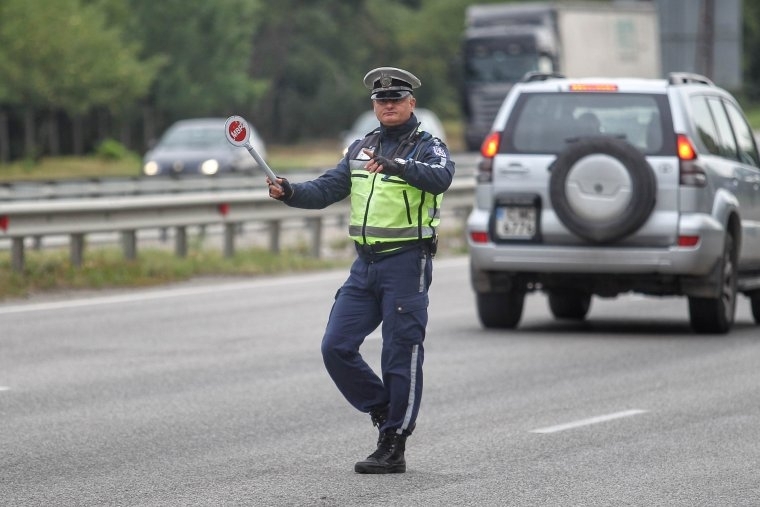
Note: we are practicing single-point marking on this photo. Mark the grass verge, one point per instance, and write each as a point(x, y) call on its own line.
point(316, 155)
point(49, 270)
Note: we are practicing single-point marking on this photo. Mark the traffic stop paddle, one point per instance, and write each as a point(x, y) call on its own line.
point(236, 129)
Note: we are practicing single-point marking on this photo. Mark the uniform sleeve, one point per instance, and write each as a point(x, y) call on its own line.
point(433, 170)
point(332, 186)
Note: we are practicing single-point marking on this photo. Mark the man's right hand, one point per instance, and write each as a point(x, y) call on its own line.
point(283, 192)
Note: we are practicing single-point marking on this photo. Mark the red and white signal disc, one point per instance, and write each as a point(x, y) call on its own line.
point(236, 129)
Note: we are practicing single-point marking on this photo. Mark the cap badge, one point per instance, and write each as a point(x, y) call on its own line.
point(385, 82)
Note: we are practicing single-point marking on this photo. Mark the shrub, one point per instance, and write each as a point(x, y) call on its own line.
point(110, 149)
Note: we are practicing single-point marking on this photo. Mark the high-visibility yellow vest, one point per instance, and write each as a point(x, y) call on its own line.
point(386, 208)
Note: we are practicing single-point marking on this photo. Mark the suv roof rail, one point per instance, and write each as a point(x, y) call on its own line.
point(540, 76)
point(688, 78)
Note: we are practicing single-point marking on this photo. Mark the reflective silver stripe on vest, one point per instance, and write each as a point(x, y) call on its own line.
point(400, 233)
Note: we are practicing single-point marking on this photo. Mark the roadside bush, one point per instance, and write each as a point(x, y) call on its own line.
point(111, 149)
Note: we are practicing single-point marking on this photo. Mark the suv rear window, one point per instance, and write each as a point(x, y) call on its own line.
point(547, 122)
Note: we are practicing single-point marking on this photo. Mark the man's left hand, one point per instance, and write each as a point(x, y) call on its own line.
point(378, 163)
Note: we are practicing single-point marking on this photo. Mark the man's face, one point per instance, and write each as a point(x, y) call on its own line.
point(394, 112)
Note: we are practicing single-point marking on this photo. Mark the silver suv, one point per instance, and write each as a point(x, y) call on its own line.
point(597, 187)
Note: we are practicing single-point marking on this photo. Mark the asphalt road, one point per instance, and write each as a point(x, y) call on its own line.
point(213, 393)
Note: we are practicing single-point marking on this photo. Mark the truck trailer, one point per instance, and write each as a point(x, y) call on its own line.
point(503, 42)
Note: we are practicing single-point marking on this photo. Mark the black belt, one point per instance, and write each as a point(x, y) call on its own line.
point(388, 246)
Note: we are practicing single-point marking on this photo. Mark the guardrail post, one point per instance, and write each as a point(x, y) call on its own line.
point(180, 244)
point(76, 249)
point(129, 244)
point(17, 254)
point(274, 236)
point(315, 226)
point(229, 239)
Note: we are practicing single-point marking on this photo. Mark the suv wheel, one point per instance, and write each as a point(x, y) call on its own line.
point(500, 309)
point(569, 304)
point(716, 315)
point(602, 189)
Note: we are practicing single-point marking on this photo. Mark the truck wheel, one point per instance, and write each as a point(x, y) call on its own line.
point(754, 298)
point(602, 189)
point(569, 304)
point(716, 315)
point(500, 310)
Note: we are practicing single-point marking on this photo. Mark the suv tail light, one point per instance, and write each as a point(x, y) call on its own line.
point(488, 151)
point(690, 173)
point(688, 241)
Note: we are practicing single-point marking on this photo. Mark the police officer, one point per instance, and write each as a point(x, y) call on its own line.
point(395, 176)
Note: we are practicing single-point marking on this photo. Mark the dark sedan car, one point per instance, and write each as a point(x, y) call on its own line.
point(199, 146)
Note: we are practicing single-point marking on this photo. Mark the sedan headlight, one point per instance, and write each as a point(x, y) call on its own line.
point(210, 167)
point(150, 168)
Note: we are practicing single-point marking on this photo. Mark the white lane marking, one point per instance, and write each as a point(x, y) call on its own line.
point(5, 388)
point(591, 420)
point(134, 296)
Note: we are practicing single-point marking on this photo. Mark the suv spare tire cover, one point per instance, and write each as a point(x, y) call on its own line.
point(602, 189)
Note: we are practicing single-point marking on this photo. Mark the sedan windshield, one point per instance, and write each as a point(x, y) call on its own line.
point(195, 137)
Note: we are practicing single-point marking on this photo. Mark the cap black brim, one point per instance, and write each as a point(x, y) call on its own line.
point(390, 94)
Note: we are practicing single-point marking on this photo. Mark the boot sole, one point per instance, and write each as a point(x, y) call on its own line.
point(365, 468)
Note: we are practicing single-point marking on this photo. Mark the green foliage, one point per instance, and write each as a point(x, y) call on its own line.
point(293, 68)
point(436, 56)
point(68, 58)
point(110, 149)
point(753, 115)
point(751, 46)
point(316, 60)
point(314, 63)
point(207, 46)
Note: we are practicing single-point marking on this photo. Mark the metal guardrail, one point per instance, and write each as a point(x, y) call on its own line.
point(177, 205)
point(110, 187)
point(29, 190)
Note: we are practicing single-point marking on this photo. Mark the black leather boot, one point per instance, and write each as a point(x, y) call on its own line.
point(379, 416)
point(388, 458)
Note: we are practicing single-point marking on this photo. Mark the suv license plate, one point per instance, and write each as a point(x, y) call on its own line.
point(516, 222)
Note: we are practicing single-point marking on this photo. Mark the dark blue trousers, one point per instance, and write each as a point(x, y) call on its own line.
point(391, 289)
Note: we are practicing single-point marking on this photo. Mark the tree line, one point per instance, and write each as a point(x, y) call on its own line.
point(76, 72)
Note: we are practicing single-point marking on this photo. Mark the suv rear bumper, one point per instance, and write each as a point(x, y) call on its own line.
point(564, 259)
point(699, 260)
